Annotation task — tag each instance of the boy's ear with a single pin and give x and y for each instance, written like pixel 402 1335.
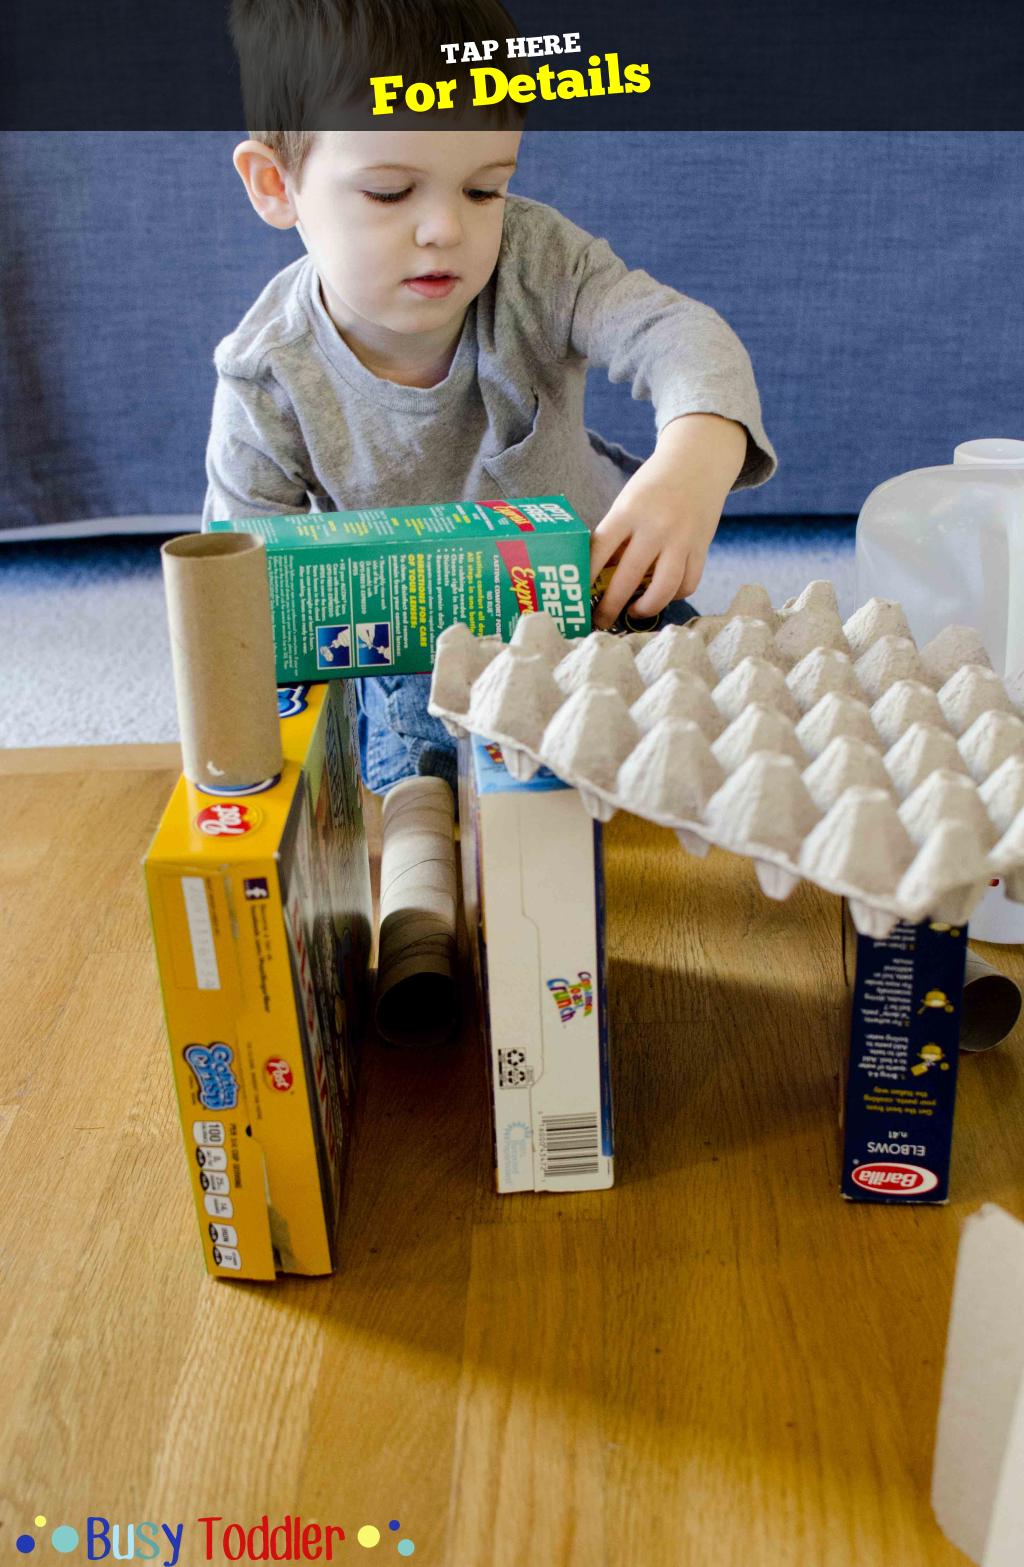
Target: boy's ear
pixel 266 184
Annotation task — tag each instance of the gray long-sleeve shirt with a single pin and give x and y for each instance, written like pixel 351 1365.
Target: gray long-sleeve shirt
pixel 299 423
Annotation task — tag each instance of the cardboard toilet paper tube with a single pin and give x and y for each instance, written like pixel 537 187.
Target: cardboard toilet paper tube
pixel 417 995
pixel 222 648
pixel 991 1005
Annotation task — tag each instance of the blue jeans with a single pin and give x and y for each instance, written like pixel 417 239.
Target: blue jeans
pixel 399 739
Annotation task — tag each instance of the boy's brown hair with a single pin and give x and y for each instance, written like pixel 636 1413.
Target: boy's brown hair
pixel 306 64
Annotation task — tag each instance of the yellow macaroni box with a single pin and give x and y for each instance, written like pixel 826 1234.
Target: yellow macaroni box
pixel 261 917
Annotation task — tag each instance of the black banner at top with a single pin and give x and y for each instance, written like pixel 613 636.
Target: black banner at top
pixel 599 65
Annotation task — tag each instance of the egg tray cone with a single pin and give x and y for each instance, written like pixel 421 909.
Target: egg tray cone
pixel 830 752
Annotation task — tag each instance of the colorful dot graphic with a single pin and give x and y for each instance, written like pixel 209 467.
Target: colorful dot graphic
pixel 63 1539
pixel 405 1547
pixel 369 1536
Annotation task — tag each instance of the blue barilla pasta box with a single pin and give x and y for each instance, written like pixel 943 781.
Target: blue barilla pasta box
pixel 904 1048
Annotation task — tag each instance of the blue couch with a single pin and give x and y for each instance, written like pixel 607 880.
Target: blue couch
pixel 875 278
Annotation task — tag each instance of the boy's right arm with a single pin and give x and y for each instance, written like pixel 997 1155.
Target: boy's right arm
pixel 256 459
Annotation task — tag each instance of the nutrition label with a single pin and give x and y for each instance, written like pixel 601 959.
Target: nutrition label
pixel 212 1158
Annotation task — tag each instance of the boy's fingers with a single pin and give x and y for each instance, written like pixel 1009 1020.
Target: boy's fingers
pixel 694 571
pixel 670 573
pixel 628 575
pixel 604 541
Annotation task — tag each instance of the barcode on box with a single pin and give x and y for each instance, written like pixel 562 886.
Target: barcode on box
pixel 569 1144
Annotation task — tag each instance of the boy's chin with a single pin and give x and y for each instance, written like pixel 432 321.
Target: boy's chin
pixel 426 315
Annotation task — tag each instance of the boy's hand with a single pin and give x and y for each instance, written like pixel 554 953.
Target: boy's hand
pixel 666 514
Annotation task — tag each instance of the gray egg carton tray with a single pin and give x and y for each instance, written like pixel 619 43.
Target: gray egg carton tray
pixel 839 754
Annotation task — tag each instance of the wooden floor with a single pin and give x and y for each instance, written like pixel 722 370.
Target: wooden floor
pixel 717 1362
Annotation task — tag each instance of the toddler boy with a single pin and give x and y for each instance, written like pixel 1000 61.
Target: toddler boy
pixel 432 345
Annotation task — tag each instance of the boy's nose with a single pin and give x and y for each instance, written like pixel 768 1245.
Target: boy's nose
pixel 441 226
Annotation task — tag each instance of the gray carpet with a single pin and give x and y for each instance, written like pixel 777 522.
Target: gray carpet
pixel 83 648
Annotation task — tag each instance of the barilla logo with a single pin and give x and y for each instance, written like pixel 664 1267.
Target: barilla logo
pixel 227 821
pixel 279 1073
pixel 211 1066
pixel 512 514
pixel 903 1180
pixel 573 997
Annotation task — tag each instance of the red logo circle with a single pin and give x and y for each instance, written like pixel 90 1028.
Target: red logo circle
pixel 279 1074
pixel 898 1180
pixel 227 819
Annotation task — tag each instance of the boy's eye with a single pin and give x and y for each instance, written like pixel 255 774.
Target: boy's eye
pixel 479 196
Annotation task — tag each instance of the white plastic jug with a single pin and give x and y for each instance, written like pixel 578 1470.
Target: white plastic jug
pixel 948 542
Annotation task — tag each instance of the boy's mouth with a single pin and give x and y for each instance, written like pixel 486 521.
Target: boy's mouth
pixel 432 285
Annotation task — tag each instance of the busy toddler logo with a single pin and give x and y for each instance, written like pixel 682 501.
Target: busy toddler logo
pixel 290 1540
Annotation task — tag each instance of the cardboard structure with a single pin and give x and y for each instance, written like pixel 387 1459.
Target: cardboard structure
pixel 533 887
pixel 832 752
pixel 261 917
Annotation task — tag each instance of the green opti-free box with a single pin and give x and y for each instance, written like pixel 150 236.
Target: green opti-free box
pixel 369 592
